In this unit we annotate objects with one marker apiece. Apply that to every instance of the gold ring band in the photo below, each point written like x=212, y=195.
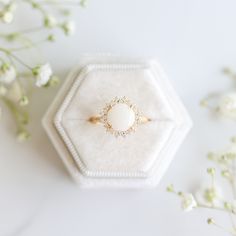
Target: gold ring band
x=98, y=119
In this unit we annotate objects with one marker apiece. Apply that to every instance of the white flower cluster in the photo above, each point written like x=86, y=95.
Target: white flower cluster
x=68, y=26
x=15, y=83
x=7, y=11
x=210, y=195
x=42, y=73
x=227, y=105
x=223, y=103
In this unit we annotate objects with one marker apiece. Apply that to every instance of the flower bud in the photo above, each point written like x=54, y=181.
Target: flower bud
x=211, y=171
x=50, y=21
x=210, y=221
x=24, y=101
x=23, y=135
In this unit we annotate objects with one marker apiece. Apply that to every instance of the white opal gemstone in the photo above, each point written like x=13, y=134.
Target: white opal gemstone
x=121, y=117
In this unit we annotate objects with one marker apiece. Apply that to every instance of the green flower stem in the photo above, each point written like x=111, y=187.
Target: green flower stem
x=2, y=60
x=232, y=221
x=232, y=180
x=36, y=6
x=20, y=61
x=32, y=30
x=81, y=3
x=230, y=231
x=13, y=56
x=199, y=205
x=27, y=47
x=17, y=36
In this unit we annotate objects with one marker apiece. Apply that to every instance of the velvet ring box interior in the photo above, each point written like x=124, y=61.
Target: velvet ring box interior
x=96, y=158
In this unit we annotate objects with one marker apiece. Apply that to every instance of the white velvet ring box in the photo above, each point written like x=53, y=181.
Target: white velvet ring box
x=96, y=158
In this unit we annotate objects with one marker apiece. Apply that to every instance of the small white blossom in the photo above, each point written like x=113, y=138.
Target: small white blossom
x=227, y=105
x=7, y=73
x=7, y=17
x=50, y=21
x=209, y=195
x=51, y=38
x=43, y=74
x=188, y=202
x=69, y=27
x=226, y=155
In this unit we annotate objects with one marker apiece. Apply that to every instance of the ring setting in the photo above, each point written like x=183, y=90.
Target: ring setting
x=120, y=117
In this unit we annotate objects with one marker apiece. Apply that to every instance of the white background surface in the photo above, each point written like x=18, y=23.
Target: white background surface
x=192, y=40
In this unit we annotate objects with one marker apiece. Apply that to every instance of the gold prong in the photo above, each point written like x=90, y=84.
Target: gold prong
x=94, y=119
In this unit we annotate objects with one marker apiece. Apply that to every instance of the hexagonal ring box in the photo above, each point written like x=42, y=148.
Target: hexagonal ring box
x=96, y=157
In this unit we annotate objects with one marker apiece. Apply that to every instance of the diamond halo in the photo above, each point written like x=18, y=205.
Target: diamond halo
x=105, y=120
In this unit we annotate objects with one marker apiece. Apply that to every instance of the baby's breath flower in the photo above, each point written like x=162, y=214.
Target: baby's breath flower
x=24, y=101
x=23, y=136
x=211, y=156
x=226, y=174
x=7, y=73
x=233, y=206
x=211, y=171
x=7, y=17
x=50, y=21
x=188, y=202
x=12, y=88
x=228, y=206
x=170, y=188
x=83, y=3
x=68, y=27
x=54, y=81
x=227, y=105
x=210, y=221
x=210, y=195
x=51, y=38
x=43, y=74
